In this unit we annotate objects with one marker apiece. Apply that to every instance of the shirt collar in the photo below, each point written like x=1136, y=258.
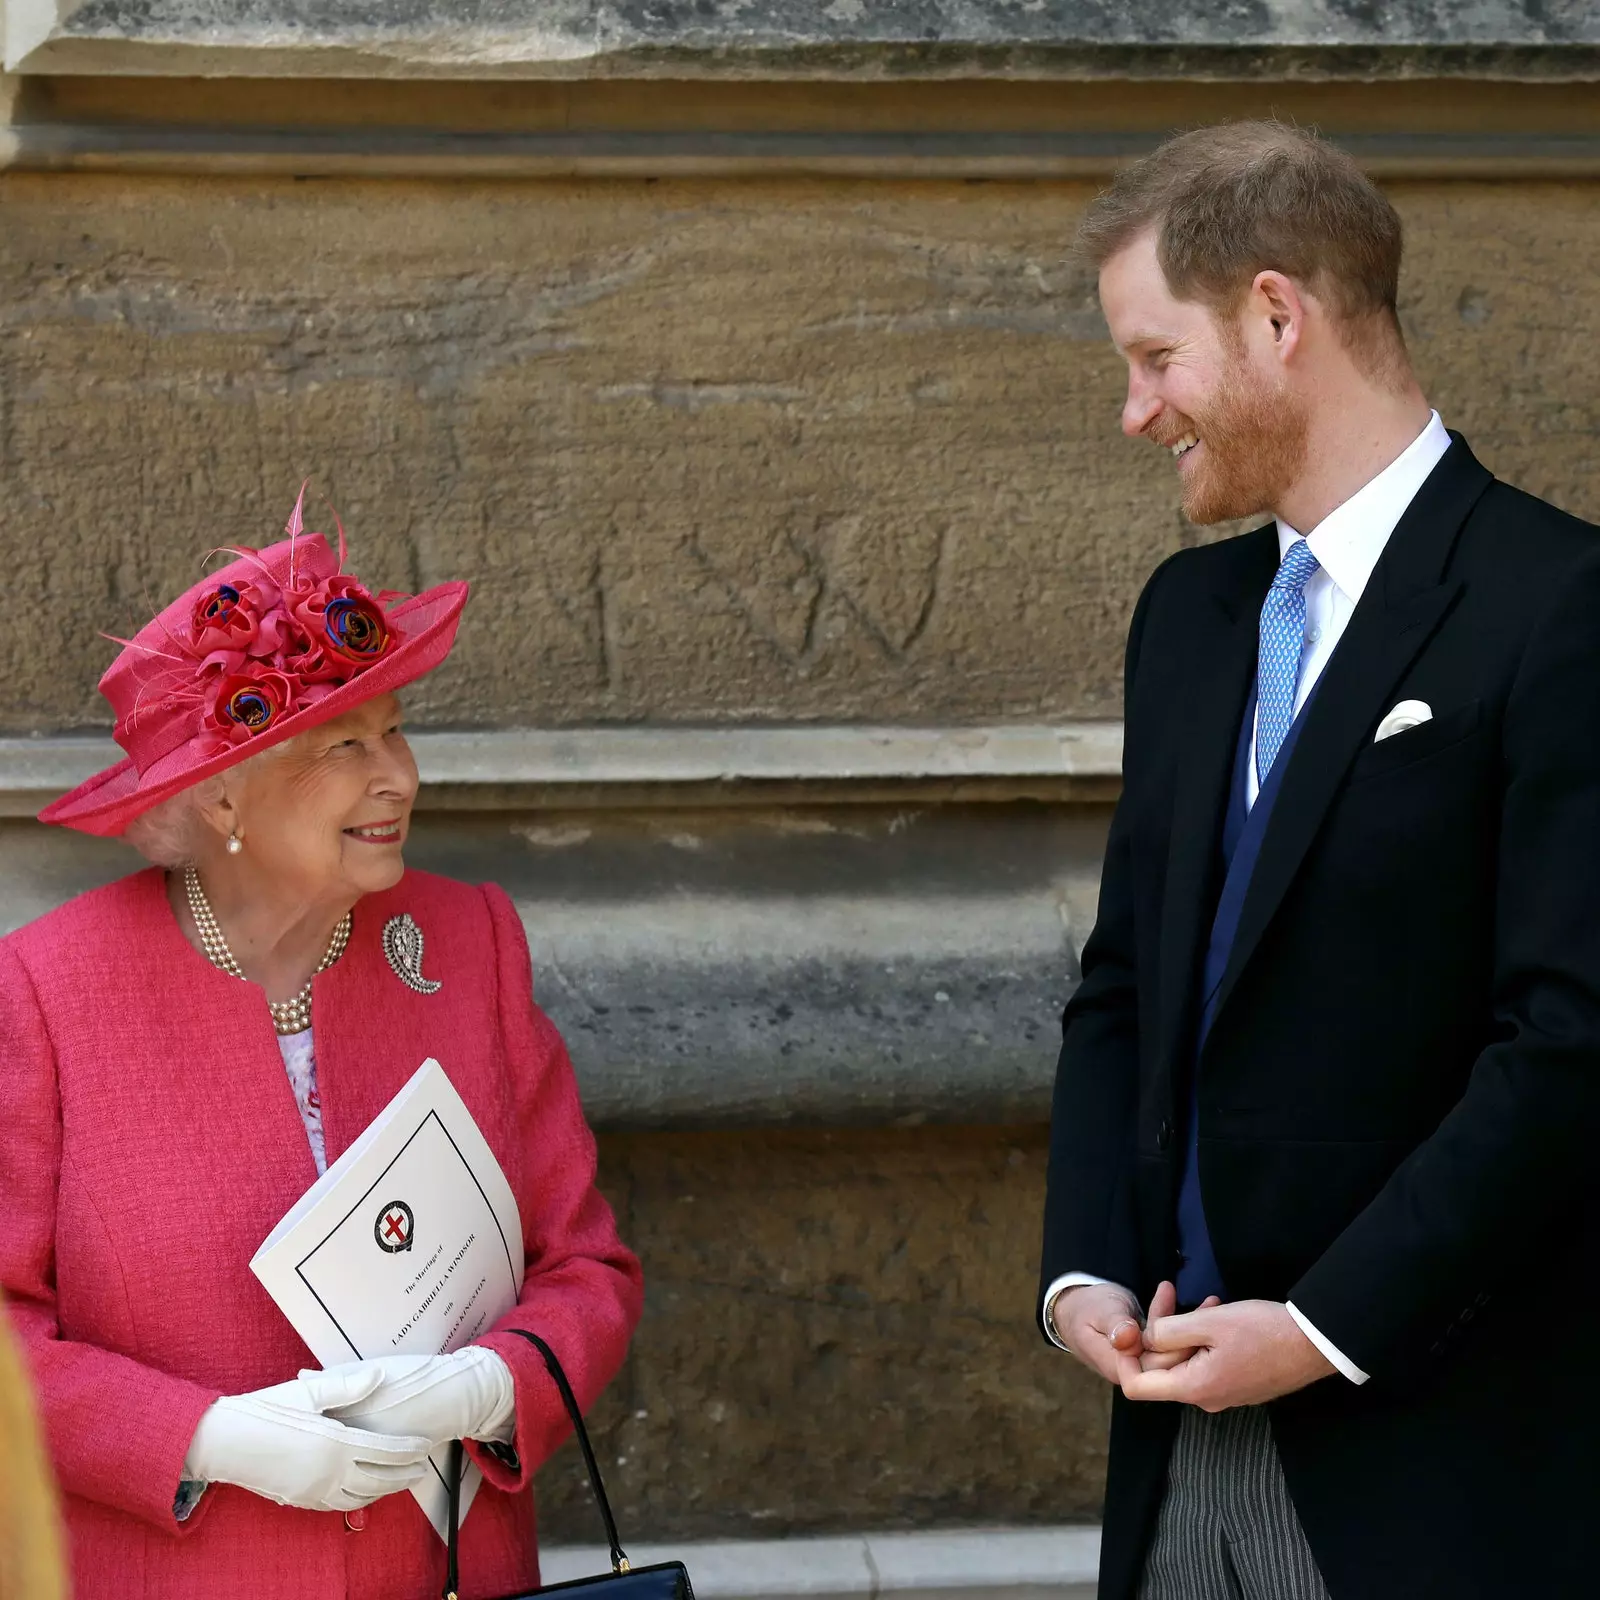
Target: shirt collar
x=1349, y=540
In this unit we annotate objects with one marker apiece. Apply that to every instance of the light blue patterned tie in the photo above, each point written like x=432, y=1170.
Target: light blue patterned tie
x=1283, y=642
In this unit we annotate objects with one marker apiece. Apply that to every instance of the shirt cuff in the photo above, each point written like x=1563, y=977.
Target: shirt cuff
x=1069, y=1280
x=1330, y=1350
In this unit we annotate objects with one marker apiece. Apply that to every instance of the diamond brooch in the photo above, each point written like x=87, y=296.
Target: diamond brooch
x=402, y=944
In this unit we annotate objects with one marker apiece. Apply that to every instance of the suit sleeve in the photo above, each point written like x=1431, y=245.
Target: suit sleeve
x=1509, y=1164
x=583, y=1290
x=1088, y=1212
x=117, y=1429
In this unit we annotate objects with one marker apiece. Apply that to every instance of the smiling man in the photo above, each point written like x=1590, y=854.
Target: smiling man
x=1317, y=1201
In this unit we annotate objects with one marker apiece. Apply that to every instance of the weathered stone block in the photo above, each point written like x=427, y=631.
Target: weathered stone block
x=838, y=1333
x=817, y=967
x=709, y=451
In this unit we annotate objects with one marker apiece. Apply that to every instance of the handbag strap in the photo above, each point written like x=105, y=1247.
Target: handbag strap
x=619, y=1560
x=452, y=1560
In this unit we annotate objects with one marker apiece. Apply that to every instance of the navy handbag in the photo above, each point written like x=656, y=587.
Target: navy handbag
x=668, y=1581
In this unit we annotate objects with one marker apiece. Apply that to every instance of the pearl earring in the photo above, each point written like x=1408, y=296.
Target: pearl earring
x=235, y=844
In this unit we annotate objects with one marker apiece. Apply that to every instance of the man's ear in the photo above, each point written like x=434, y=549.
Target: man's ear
x=1278, y=311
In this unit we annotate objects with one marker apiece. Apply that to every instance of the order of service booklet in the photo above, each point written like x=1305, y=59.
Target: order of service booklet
x=409, y=1244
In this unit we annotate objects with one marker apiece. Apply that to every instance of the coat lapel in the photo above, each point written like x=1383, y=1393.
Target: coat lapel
x=1225, y=659
x=1405, y=600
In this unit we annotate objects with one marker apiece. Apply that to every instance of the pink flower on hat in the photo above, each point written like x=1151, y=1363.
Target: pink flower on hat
x=226, y=617
x=235, y=622
x=242, y=704
x=341, y=619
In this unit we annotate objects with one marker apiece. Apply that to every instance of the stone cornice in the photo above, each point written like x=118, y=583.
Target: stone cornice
x=556, y=768
x=851, y=40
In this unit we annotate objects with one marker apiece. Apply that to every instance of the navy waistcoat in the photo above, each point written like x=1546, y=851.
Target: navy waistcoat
x=1243, y=828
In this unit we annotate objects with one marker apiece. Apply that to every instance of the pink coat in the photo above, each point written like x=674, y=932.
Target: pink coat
x=149, y=1141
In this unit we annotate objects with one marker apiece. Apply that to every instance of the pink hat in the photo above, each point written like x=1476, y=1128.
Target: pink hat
x=275, y=643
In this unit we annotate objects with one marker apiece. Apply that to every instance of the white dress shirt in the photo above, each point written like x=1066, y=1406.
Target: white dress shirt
x=1347, y=544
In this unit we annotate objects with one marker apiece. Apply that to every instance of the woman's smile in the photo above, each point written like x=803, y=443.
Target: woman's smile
x=391, y=832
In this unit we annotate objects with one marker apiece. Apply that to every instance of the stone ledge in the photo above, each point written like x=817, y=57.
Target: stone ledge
x=845, y=966
x=995, y=1563
x=788, y=38
x=393, y=153
x=509, y=767
x=874, y=960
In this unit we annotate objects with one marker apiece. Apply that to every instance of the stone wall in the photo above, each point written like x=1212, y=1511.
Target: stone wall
x=710, y=451
x=838, y=1333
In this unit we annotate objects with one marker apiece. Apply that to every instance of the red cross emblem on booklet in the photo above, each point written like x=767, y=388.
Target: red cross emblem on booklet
x=394, y=1227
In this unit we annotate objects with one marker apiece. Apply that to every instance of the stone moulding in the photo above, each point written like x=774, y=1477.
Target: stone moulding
x=853, y=954
x=551, y=766
x=377, y=152
x=853, y=39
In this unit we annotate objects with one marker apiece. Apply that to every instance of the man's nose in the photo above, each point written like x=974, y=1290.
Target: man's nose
x=1139, y=409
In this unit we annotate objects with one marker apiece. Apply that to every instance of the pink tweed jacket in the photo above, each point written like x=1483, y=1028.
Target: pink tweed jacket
x=149, y=1141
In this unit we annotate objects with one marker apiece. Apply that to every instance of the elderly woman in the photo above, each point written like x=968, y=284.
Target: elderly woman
x=187, y=1048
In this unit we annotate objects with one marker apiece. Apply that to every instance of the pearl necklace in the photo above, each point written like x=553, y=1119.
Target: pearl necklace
x=288, y=1016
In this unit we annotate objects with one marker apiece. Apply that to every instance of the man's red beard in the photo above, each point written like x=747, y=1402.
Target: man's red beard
x=1253, y=445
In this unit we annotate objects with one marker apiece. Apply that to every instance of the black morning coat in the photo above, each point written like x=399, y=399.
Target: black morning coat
x=1400, y=1096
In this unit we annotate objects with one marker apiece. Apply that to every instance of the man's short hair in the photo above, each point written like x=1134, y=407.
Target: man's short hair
x=1229, y=201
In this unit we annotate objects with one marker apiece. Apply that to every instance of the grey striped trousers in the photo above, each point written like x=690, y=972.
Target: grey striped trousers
x=1227, y=1528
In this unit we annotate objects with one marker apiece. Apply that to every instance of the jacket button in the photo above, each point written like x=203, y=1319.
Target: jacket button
x=1164, y=1135
x=356, y=1520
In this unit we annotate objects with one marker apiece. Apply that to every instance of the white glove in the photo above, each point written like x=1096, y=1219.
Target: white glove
x=465, y=1395
x=283, y=1443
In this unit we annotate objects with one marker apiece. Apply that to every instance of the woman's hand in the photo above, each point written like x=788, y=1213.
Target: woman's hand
x=285, y=1444
x=465, y=1395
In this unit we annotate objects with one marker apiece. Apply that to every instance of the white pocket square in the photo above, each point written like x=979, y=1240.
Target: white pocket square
x=1408, y=714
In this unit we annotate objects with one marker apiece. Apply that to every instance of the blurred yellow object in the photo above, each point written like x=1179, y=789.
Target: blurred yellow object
x=30, y=1529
